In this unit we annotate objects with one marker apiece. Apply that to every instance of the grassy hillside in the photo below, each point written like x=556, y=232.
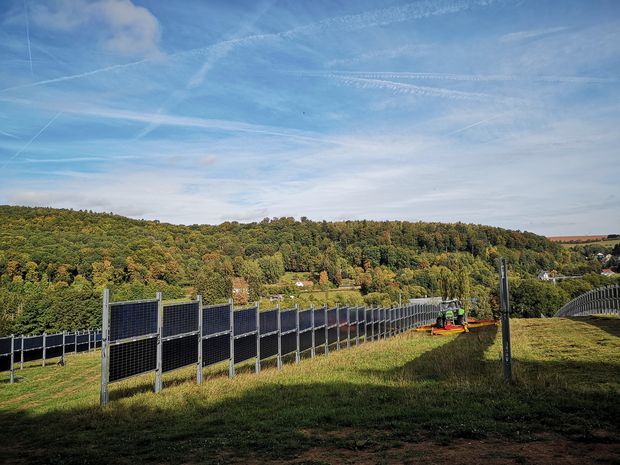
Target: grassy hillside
x=409, y=399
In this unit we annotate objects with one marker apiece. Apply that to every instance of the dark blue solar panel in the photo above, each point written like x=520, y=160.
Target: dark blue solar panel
x=215, y=319
x=245, y=348
x=132, y=358
x=177, y=353
x=268, y=321
x=70, y=342
x=33, y=342
x=319, y=317
x=289, y=343
x=332, y=335
x=244, y=321
x=33, y=354
x=5, y=361
x=53, y=340
x=53, y=352
x=5, y=345
x=268, y=346
x=332, y=317
x=319, y=337
x=353, y=315
x=180, y=318
x=215, y=349
x=305, y=319
x=288, y=320
x=342, y=315
x=305, y=341
x=133, y=319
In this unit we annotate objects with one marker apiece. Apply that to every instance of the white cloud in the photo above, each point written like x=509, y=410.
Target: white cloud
x=127, y=29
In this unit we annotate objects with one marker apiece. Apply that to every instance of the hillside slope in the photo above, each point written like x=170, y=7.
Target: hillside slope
x=414, y=397
x=54, y=263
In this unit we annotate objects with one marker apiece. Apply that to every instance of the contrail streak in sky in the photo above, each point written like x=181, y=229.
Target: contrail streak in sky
x=28, y=35
x=16, y=154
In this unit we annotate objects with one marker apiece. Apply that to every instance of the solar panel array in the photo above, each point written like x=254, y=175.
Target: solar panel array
x=152, y=337
x=17, y=350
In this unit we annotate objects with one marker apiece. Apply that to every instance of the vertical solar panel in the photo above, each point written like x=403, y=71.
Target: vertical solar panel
x=268, y=321
x=245, y=348
x=133, y=319
x=268, y=346
x=215, y=319
x=305, y=341
x=132, y=358
x=288, y=321
x=5, y=353
x=289, y=343
x=180, y=335
x=133, y=338
x=245, y=321
x=215, y=349
x=305, y=320
x=180, y=318
x=332, y=317
x=179, y=352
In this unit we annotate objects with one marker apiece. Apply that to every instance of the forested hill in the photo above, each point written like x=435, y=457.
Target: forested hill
x=56, y=255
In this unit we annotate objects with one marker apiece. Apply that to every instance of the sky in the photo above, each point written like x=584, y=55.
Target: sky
x=502, y=112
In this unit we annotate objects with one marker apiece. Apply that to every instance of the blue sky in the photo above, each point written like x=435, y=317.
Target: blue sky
x=496, y=112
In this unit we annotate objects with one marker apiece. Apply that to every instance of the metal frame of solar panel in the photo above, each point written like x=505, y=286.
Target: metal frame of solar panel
x=131, y=341
x=151, y=336
x=246, y=343
x=217, y=335
x=319, y=325
x=180, y=335
x=269, y=335
x=343, y=335
x=289, y=333
x=306, y=331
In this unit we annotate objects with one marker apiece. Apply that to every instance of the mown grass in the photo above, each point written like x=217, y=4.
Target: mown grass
x=411, y=388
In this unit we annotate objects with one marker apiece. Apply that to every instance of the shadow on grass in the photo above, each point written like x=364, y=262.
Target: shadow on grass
x=449, y=392
x=611, y=324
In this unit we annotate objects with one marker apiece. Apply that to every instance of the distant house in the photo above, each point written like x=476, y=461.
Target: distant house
x=241, y=291
x=240, y=285
x=544, y=276
x=607, y=272
x=276, y=298
x=301, y=284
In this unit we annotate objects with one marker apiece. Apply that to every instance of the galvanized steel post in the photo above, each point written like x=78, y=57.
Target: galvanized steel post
x=160, y=325
x=326, y=330
x=505, y=310
x=231, y=366
x=279, y=359
x=12, y=361
x=257, y=364
x=199, y=363
x=313, y=338
x=105, y=348
x=297, y=353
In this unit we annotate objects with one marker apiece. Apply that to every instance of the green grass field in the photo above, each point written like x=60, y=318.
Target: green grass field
x=411, y=399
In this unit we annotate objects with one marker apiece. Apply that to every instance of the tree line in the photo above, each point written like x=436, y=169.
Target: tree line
x=55, y=262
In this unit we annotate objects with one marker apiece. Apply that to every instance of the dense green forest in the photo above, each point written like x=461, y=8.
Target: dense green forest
x=54, y=263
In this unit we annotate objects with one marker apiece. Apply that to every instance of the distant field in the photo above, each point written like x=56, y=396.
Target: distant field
x=411, y=399
x=577, y=238
x=604, y=243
